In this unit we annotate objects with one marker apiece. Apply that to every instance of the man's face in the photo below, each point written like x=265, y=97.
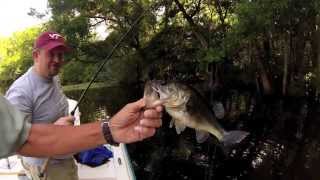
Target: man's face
x=48, y=62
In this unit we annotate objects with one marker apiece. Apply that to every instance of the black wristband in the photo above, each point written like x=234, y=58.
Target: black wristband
x=107, y=133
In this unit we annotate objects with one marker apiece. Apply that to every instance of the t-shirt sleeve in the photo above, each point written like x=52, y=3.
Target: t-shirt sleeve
x=21, y=100
x=14, y=128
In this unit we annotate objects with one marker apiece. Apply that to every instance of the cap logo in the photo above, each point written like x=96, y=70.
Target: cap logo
x=54, y=36
x=49, y=40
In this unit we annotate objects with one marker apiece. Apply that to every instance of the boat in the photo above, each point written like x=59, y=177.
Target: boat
x=117, y=168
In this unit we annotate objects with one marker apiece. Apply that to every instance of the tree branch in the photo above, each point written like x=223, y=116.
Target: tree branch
x=192, y=24
x=220, y=12
x=92, y=25
x=197, y=9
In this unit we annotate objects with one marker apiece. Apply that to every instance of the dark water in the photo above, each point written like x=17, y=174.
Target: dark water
x=99, y=101
x=283, y=143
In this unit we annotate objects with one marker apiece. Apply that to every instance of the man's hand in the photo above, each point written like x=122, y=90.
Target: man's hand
x=65, y=121
x=135, y=123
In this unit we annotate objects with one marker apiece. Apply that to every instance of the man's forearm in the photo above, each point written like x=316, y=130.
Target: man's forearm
x=50, y=140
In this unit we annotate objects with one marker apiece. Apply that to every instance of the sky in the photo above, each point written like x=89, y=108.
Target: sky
x=14, y=17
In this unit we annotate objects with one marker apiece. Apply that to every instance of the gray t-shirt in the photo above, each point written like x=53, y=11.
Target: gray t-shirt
x=14, y=129
x=40, y=99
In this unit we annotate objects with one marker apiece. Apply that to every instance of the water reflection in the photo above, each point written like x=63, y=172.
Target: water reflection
x=100, y=102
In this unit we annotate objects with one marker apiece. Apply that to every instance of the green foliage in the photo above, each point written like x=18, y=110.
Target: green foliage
x=74, y=72
x=167, y=43
x=16, y=54
x=213, y=55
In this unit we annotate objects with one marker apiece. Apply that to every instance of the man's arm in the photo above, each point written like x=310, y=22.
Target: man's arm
x=132, y=123
x=49, y=140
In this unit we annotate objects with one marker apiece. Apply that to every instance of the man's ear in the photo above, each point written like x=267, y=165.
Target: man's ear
x=35, y=55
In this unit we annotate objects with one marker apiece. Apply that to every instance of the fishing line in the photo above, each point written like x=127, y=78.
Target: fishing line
x=106, y=60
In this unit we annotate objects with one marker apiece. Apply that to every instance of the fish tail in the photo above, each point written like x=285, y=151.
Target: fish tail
x=233, y=137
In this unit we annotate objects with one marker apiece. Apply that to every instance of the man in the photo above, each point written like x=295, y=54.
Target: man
x=38, y=96
x=130, y=124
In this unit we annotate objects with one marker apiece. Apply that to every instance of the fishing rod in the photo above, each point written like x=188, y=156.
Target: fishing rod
x=107, y=58
x=46, y=162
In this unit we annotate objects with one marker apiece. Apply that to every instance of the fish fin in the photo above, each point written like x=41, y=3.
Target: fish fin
x=233, y=137
x=201, y=136
x=171, y=123
x=179, y=127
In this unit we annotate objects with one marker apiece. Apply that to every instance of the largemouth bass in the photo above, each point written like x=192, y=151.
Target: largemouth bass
x=188, y=109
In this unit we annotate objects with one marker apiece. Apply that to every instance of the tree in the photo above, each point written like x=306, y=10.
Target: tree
x=16, y=54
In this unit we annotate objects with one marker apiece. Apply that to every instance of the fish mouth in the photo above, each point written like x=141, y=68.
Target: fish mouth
x=157, y=86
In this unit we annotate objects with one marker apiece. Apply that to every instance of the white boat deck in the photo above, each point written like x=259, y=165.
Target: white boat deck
x=11, y=168
x=117, y=168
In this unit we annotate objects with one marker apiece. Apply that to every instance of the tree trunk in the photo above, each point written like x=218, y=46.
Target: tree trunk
x=299, y=44
x=286, y=53
x=315, y=42
x=263, y=73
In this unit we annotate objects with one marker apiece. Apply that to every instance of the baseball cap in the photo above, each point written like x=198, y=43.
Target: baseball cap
x=49, y=40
